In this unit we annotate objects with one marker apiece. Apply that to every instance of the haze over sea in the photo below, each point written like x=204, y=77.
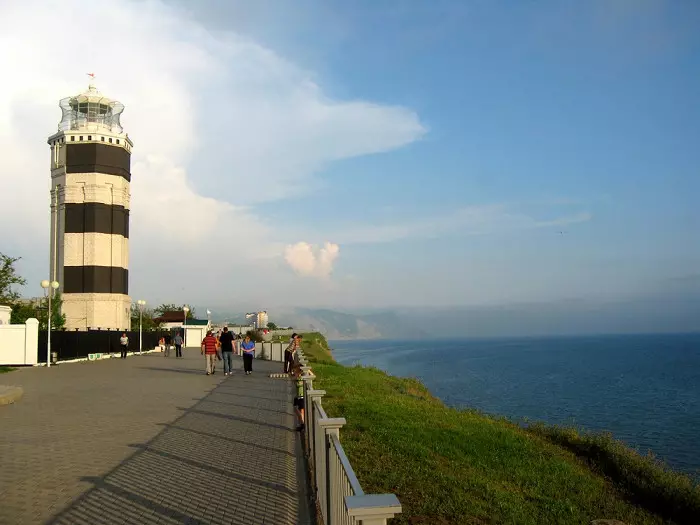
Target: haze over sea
x=645, y=389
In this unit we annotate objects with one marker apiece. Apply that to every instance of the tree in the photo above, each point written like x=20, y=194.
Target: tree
x=21, y=311
x=58, y=319
x=272, y=326
x=8, y=279
x=147, y=321
x=170, y=307
x=255, y=336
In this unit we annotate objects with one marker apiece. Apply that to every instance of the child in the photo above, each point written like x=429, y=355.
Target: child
x=299, y=399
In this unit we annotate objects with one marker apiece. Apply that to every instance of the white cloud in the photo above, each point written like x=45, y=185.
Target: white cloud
x=469, y=220
x=308, y=260
x=219, y=124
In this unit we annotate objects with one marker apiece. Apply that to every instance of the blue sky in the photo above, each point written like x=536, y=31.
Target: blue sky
x=481, y=129
x=554, y=108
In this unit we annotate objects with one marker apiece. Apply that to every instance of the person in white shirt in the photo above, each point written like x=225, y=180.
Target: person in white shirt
x=124, y=344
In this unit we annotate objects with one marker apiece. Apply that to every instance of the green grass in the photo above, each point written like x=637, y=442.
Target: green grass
x=460, y=466
x=4, y=369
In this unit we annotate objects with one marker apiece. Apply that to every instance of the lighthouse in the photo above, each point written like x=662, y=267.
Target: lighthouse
x=90, y=179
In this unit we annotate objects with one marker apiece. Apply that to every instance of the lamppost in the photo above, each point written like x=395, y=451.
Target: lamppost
x=49, y=286
x=141, y=304
x=209, y=319
x=184, y=342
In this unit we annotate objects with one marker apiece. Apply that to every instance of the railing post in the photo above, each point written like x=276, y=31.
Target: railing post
x=373, y=509
x=310, y=416
x=308, y=378
x=331, y=426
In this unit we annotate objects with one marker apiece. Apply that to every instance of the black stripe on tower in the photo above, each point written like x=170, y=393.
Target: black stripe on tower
x=96, y=217
x=95, y=279
x=99, y=158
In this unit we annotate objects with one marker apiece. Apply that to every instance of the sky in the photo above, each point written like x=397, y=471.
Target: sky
x=366, y=154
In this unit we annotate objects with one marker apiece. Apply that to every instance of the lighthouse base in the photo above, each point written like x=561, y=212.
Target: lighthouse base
x=91, y=311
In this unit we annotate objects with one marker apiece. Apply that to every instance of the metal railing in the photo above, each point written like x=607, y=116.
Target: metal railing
x=340, y=498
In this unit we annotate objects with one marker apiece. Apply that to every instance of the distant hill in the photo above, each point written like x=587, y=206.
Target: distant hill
x=675, y=310
x=338, y=325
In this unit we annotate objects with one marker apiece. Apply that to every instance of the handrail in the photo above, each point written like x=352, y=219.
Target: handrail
x=335, y=486
x=345, y=462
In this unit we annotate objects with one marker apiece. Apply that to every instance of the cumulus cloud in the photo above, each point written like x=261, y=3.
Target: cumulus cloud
x=220, y=124
x=308, y=260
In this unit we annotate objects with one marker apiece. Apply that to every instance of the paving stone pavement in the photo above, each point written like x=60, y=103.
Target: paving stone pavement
x=151, y=440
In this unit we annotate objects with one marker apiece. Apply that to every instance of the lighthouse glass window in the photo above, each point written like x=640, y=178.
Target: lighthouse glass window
x=93, y=112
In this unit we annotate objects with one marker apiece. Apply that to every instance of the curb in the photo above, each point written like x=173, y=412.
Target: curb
x=102, y=356
x=10, y=394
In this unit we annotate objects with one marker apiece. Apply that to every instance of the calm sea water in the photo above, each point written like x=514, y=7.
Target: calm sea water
x=645, y=389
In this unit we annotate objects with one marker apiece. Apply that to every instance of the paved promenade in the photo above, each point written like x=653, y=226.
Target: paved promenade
x=151, y=440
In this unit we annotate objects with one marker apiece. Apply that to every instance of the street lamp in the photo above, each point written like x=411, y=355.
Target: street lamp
x=184, y=342
x=141, y=304
x=49, y=286
x=208, y=319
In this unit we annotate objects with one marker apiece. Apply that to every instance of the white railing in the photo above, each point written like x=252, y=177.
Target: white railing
x=340, y=497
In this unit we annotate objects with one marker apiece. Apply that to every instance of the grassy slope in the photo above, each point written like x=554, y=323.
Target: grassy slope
x=454, y=466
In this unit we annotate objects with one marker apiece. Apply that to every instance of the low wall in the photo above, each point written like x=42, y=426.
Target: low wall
x=267, y=351
x=19, y=343
x=289, y=331
x=78, y=344
x=240, y=329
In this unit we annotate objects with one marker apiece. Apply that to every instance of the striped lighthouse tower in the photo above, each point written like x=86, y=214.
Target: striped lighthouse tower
x=90, y=177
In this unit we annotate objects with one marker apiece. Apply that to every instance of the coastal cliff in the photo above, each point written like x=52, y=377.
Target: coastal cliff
x=450, y=466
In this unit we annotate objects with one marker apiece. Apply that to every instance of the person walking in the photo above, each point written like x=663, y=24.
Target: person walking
x=226, y=341
x=289, y=354
x=299, y=399
x=209, y=351
x=248, y=347
x=295, y=354
x=178, y=345
x=124, y=344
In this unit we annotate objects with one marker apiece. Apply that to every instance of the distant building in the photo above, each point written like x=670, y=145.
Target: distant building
x=176, y=319
x=35, y=302
x=195, y=329
x=259, y=319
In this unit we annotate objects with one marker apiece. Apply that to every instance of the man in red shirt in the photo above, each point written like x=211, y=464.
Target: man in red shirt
x=209, y=351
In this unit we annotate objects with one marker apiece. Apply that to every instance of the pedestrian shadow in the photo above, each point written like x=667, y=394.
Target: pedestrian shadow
x=244, y=406
x=232, y=440
x=240, y=419
x=175, y=370
x=200, y=467
x=244, y=395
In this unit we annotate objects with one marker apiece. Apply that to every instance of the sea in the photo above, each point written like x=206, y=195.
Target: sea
x=644, y=389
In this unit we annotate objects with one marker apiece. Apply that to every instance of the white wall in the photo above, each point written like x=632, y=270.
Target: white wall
x=19, y=343
x=273, y=351
x=194, y=336
x=5, y=313
x=240, y=329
